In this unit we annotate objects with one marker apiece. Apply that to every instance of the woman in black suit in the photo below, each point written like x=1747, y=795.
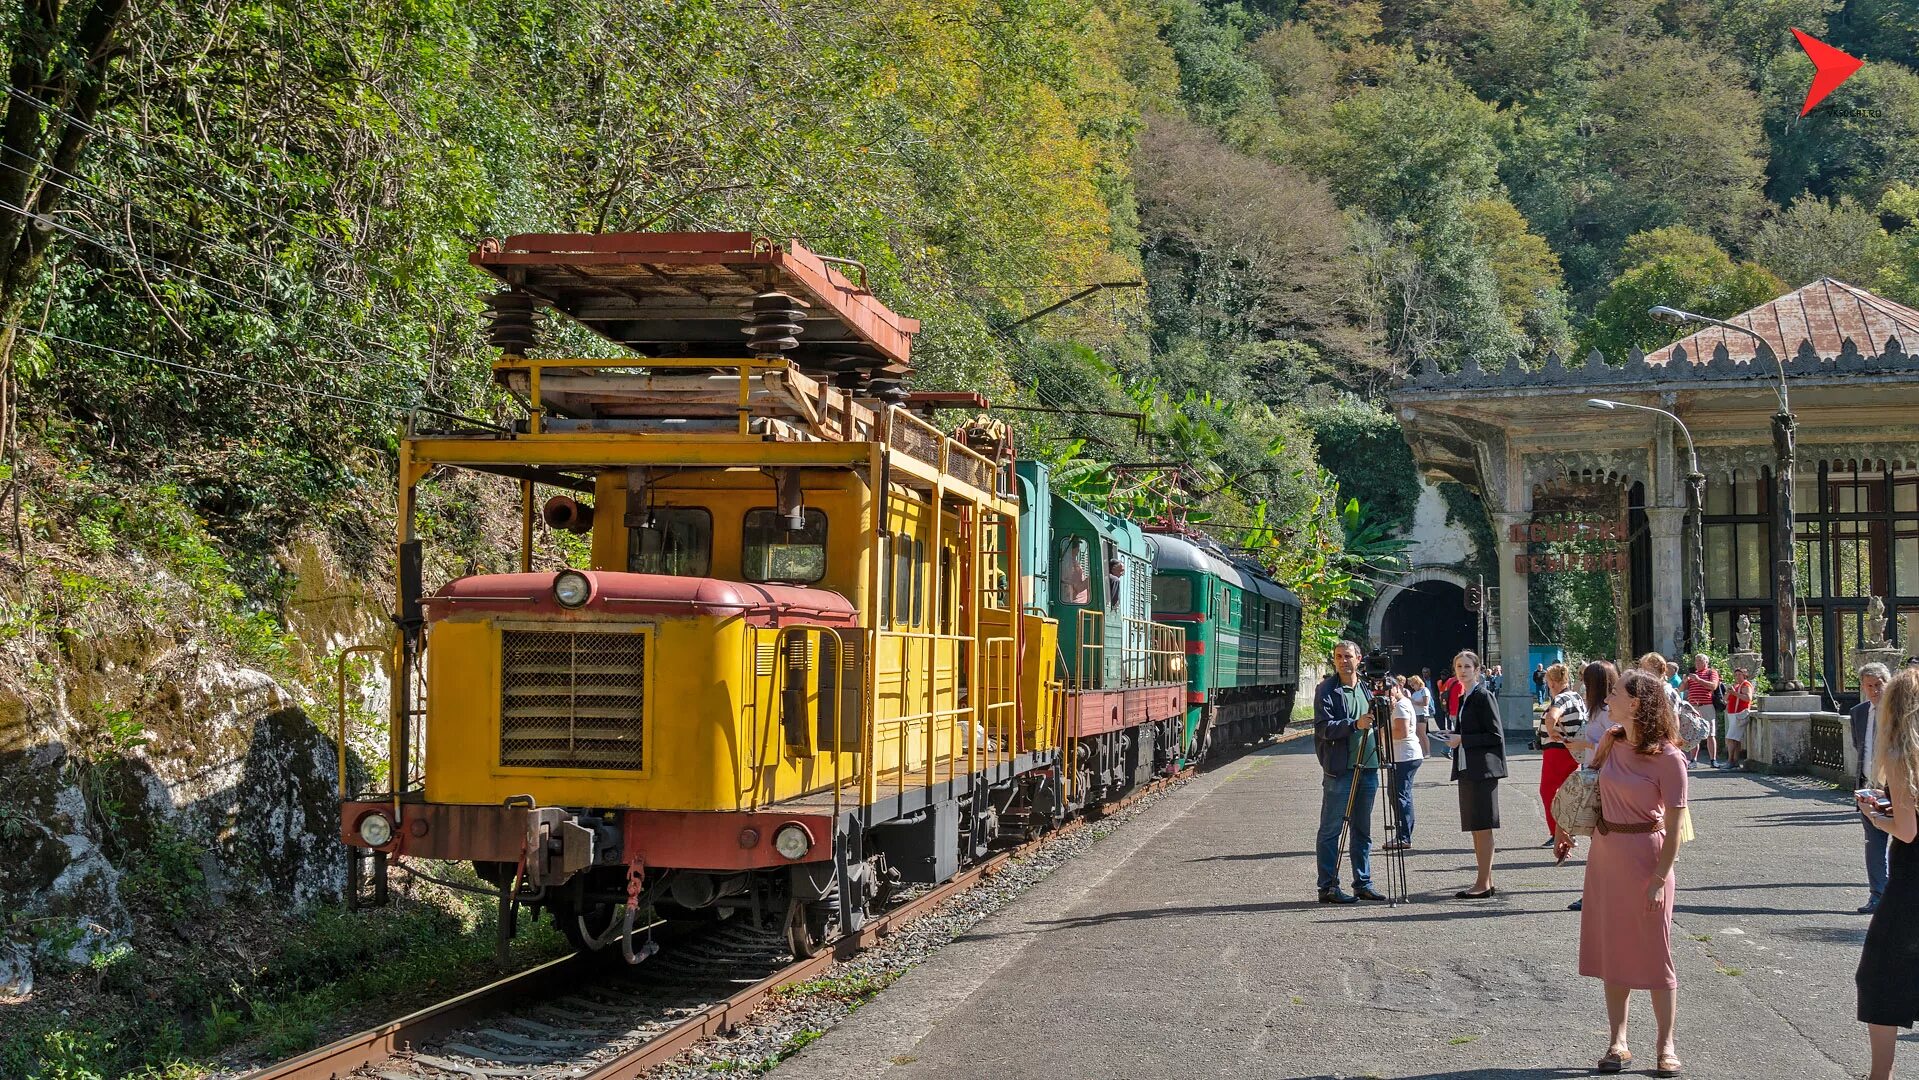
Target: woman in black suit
x=1479, y=760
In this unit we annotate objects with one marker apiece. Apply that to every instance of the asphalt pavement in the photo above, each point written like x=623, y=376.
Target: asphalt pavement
x=1190, y=943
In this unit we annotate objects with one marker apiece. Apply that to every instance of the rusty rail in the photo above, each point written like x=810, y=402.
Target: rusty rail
x=375, y=1045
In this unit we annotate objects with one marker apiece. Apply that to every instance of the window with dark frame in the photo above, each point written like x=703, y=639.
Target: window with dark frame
x=771, y=552
x=676, y=540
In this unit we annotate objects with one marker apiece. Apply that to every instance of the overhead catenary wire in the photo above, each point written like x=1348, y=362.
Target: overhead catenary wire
x=215, y=373
x=102, y=133
x=175, y=271
x=106, y=197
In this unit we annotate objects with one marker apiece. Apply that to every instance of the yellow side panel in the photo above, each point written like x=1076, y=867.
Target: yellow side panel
x=693, y=758
x=1041, y=643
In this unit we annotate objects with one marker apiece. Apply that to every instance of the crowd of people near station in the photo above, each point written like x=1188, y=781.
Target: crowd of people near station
x=1632, y=739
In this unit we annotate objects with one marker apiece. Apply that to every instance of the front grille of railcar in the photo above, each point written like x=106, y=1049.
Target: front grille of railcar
x=571, y=699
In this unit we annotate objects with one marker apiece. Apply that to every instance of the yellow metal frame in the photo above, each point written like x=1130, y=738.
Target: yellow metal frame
x=747, y=366
x=340, y=739
x=984, y=646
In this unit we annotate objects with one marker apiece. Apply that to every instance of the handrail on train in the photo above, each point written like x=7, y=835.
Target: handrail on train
x=1150, y=653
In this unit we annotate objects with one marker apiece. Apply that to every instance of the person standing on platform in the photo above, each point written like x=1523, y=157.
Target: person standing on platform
x=1597, y=681
x=1888, y=993
x=1700, y=688
x=1479, y=761
x=1738, y=712
x=1564, y=721
x=1625, y=927
x=1539, y=684
x=1349, y=757
x=1409, y=750
x=1864, y=717
x=1421, y=696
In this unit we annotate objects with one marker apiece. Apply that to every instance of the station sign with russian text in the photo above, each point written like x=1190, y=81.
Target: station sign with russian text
x=1590, y=541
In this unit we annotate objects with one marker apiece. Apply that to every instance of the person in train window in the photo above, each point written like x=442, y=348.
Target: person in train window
x=1115, y=571
x=1075, y=587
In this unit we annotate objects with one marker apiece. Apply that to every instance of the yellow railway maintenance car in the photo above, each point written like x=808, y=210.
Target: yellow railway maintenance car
x=795, y=673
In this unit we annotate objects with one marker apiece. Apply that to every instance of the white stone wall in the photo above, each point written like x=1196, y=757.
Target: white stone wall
x=1435, y=541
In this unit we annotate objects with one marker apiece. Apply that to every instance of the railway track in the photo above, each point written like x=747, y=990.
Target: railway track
x=574, y=1019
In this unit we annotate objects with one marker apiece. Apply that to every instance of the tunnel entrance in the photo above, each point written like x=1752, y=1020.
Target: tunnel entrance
x=1428, y=624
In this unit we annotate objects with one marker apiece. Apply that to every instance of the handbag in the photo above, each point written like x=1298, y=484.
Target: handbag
x=1576, y=803
x=1719, y=695
x=1693, y=727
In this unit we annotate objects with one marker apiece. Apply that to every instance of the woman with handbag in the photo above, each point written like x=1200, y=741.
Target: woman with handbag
x=1564, y=721
x=1597, y=680
x=1479, y=761
x=1625, y=927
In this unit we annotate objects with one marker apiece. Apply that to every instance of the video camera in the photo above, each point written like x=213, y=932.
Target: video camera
x=1376, y=668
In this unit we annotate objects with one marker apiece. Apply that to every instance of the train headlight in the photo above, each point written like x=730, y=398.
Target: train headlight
x=375, y=830
x=571, y=588
x=792, y=841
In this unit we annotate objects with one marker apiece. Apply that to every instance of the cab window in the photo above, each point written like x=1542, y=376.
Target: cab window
x=769, y=551
x=1075, y=580
x=1172, y=594
x=676, y=540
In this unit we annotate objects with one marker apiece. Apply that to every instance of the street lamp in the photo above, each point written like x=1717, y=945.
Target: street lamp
x=1695, y=505
x=1785, y=574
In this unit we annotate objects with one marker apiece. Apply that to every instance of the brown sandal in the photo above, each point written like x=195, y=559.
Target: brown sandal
x=1669, y=1066
x=1615, y=1061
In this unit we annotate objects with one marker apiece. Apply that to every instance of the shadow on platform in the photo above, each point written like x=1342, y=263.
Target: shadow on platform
x=1483, y=1074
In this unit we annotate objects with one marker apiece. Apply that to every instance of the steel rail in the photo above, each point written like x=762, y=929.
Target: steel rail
x=375, y=1045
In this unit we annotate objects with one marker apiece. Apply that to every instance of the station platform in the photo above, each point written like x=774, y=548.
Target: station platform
x=1191, y=943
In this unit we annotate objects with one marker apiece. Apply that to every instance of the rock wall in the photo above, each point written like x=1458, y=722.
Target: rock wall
x=145, y=736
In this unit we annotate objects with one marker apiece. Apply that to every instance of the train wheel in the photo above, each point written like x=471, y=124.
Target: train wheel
x=808, y=922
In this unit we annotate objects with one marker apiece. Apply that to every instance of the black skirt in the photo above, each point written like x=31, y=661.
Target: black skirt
x=1888, y=993
x=1478, y=804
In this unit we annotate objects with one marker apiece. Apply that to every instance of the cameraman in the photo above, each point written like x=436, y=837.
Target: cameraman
x=1343, y=739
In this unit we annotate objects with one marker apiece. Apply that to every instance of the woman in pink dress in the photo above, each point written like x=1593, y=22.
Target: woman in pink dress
x=1625, y=922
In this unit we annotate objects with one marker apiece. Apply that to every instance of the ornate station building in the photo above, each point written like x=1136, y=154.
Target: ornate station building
x=1579, y=472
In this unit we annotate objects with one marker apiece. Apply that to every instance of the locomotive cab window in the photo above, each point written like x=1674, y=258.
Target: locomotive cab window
x=769, y=551
x=1075, y=579
x=676, y=540
x=1172, y=594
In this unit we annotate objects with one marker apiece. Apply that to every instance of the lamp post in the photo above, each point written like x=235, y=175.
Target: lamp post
x=1785, y=574
x=1695, y=506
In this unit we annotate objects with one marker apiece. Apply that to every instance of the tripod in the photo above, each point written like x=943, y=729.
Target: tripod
x=1393, y=862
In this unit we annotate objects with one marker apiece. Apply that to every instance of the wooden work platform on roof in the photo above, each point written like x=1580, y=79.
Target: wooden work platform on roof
x=683, y=294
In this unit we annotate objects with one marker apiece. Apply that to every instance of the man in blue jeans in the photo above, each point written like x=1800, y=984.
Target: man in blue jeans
x=1343, y=738
x=1872, y=682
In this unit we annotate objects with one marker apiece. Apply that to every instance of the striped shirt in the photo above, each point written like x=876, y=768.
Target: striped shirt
x=1699, y=686
x=1572, y=718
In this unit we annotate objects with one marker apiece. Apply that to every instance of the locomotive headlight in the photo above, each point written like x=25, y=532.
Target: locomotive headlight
x=571, y=588
x=375, y=830
x=792, y=841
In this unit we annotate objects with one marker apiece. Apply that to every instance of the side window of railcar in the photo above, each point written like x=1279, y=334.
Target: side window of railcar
x=675, y=540
x=1075, y=579
x=946, y=597
x=769, y=551
x=903, y=579
x=1172, y=594
x=919, y=582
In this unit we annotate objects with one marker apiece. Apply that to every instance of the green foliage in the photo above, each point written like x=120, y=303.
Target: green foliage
x=1678, y=267
x=1416, y=146
x=1364, y=450
x=1818, y=238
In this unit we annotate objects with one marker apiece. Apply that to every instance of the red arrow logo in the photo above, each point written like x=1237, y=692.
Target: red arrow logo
x=1831, y=67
